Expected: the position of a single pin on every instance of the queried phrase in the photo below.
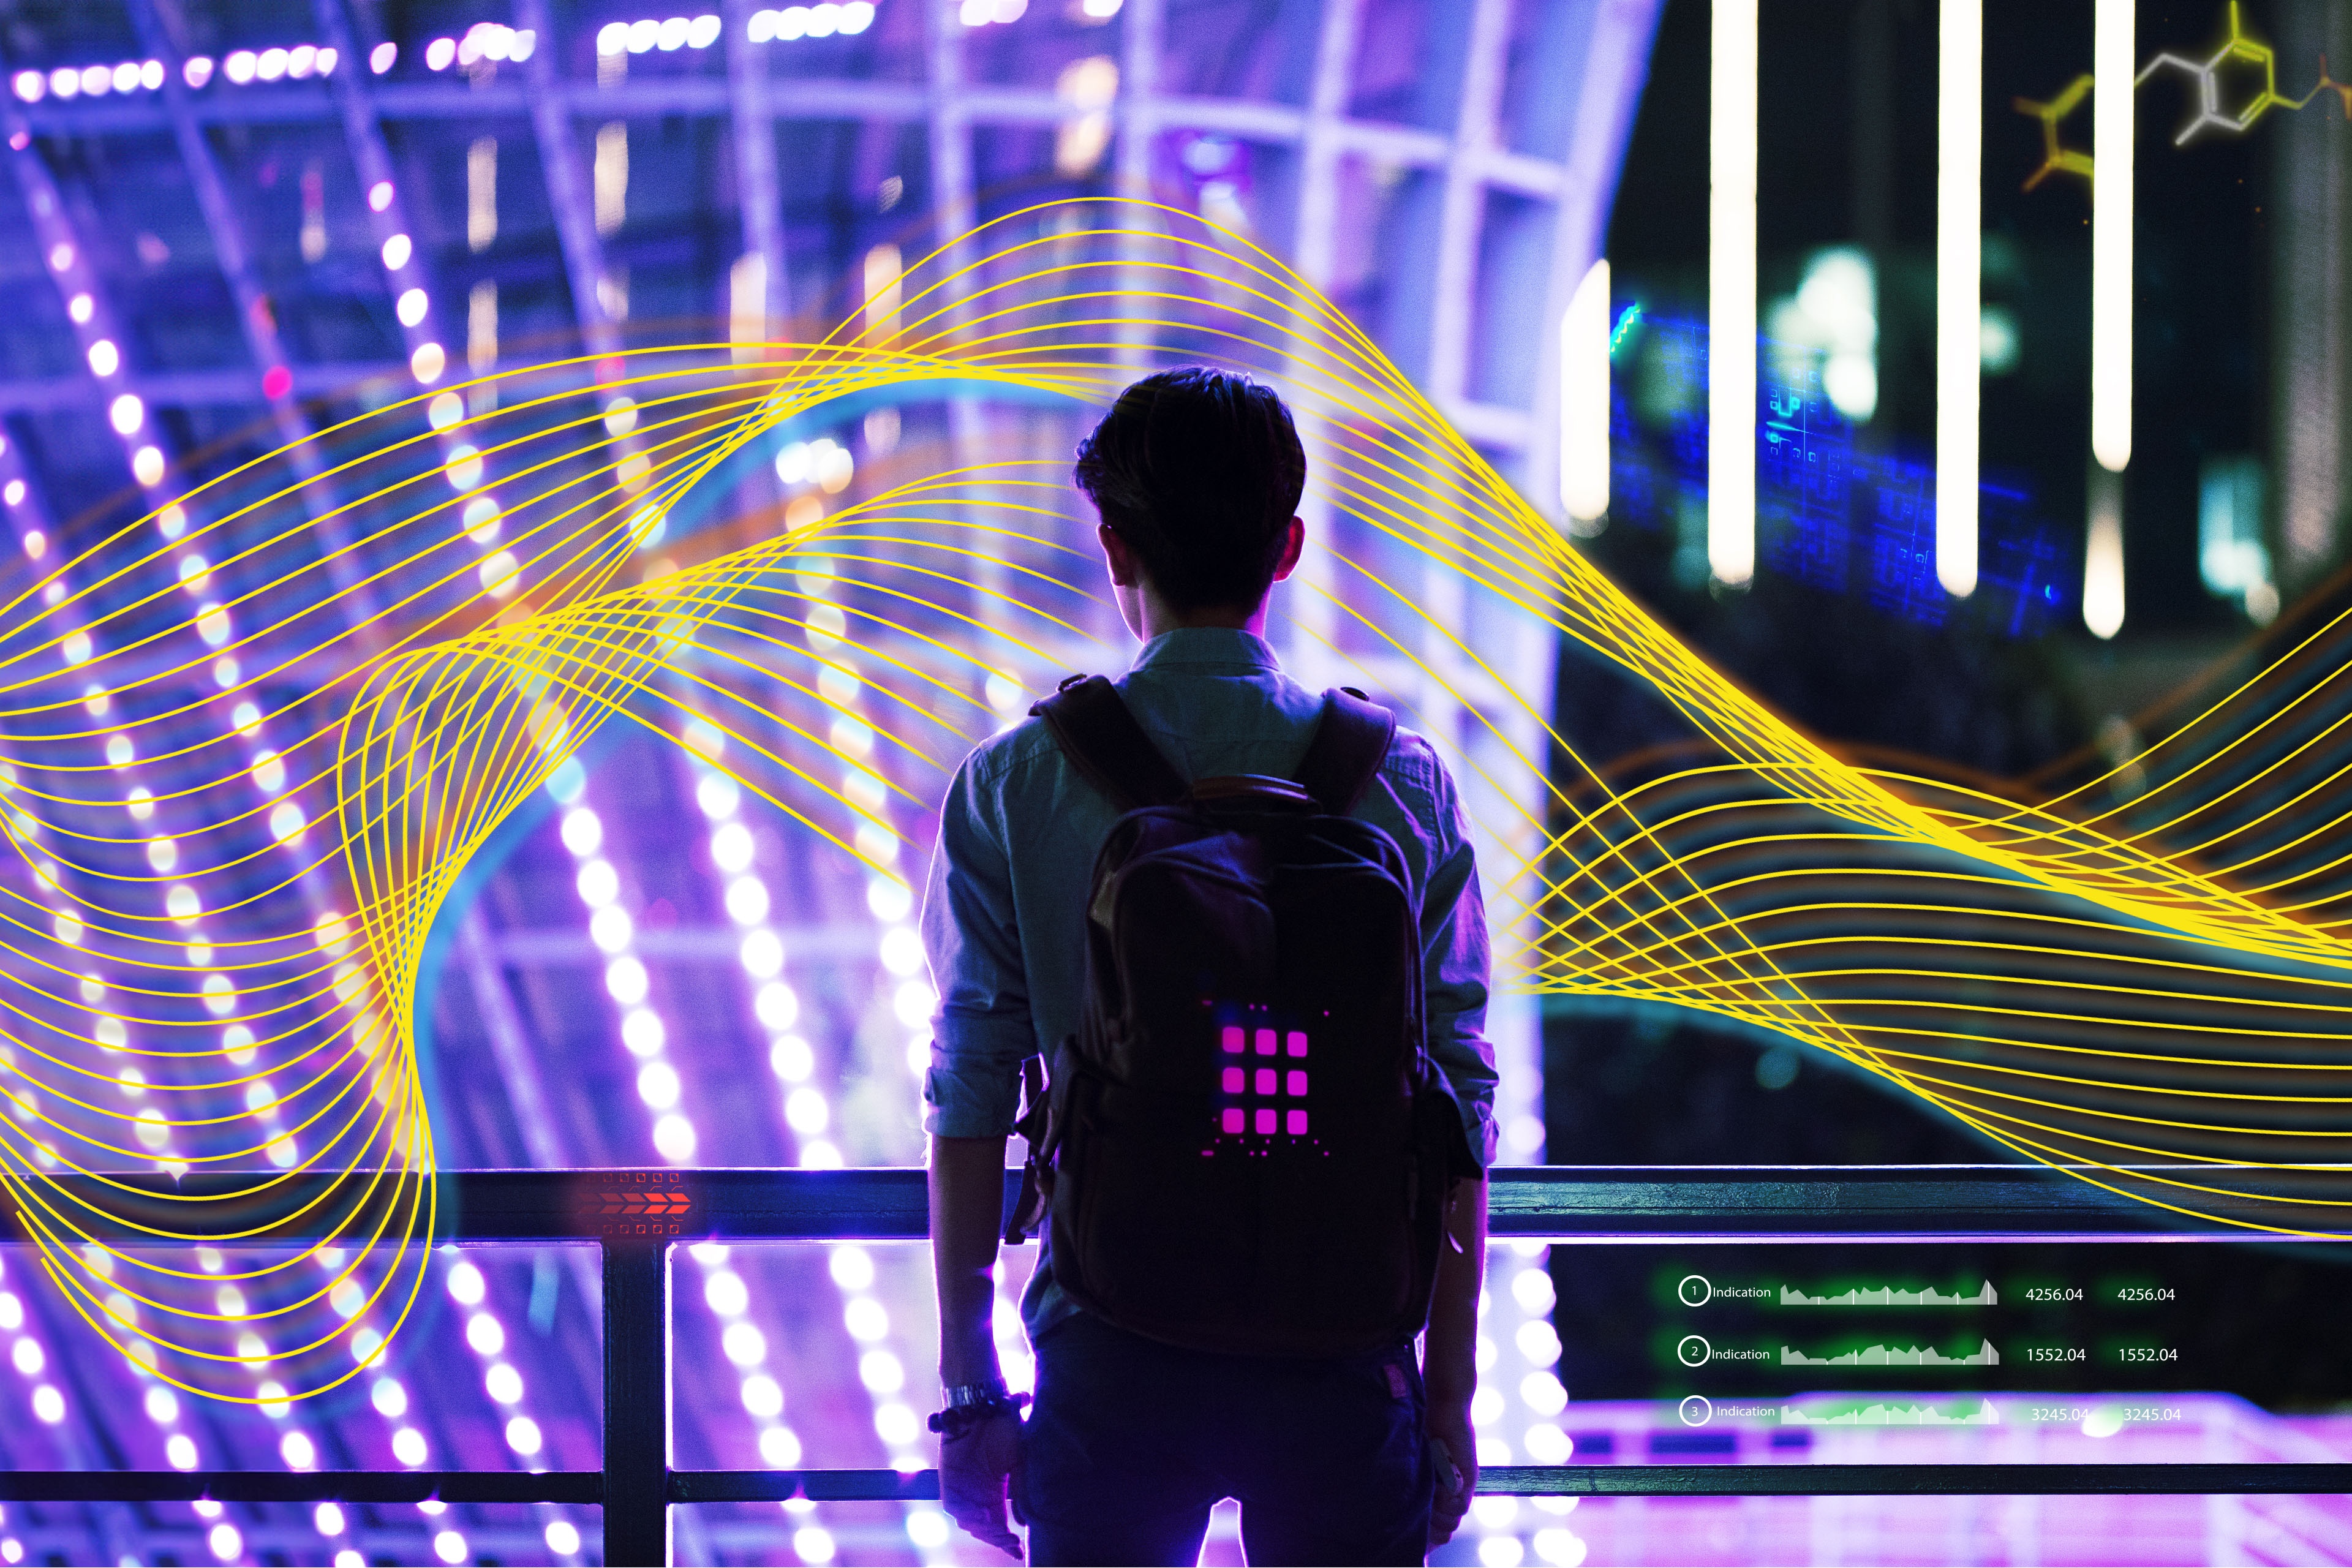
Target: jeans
(1131, 1442)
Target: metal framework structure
(640, 1218)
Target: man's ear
(1294, 544)
(1125, 570)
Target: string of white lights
(218, 991)
(286, 821)
(26, 1352)
(903, 991)
(287, 824)
(127, 414)
(808, 1115)
(1518, 1354)
(669, 36)
(646, 1037)
(490, 42)
(97, 335)
(31, 1359)
(486, 1335)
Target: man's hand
(1450, 1423)
(975, 1476)
(967, 1193)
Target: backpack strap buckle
(1029, 1209)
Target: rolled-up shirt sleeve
(1454, 961)
(983, 1028)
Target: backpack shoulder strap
(1109, 748)
(1350, 742)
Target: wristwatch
(969, 1403)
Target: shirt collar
(1220, 646)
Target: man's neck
(1158, 619)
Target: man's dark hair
(1200, 471)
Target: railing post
(636, 1400)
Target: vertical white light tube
(1731, 295)
(747, 305)
(1959, 245)
(1584, 397)
(2102, 556)
(2112, 46)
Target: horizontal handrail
(635, 1216)
(583, 1488)
(1781, 1478)
(1778, 1477)
(1563, 1202)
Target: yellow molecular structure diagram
(2058, 158)
(2326, 83)
(2237, 47)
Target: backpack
(1245, 1148)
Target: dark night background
(1632, 1086)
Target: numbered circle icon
(1694, 1291)
(1694, 1350)
(1697, 1411)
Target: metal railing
(638, 1216)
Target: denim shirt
(1004, 904)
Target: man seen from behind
(1241, 924)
